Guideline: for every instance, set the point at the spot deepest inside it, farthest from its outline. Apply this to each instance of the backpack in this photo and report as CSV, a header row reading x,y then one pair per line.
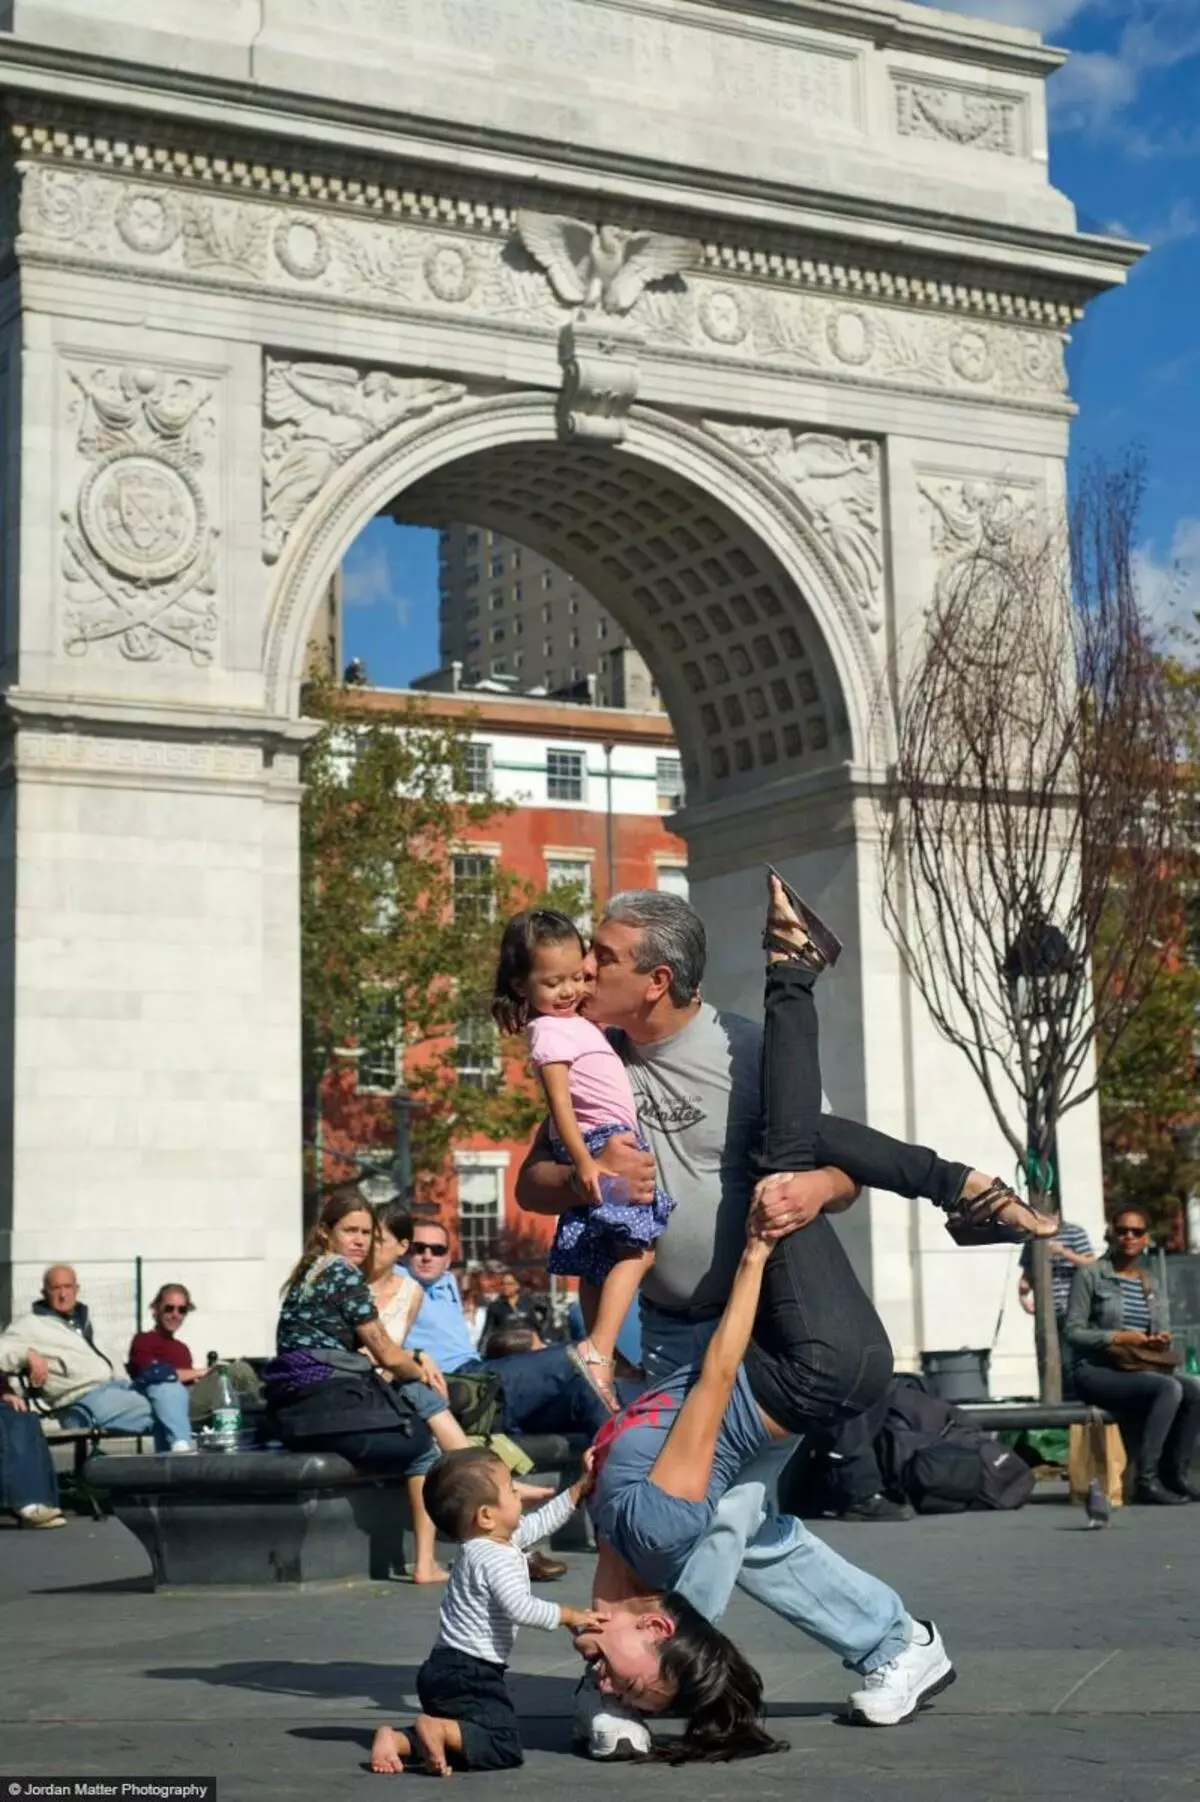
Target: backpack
x,y
930,1452
477,1402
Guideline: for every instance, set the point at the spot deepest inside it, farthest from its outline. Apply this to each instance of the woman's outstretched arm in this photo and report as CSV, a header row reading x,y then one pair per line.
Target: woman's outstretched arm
x,y
684,1465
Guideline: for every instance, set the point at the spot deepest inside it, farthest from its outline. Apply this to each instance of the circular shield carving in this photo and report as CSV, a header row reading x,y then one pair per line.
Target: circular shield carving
x,y
724,317
141,515
147,221
449,272
971,355
851,336
301,247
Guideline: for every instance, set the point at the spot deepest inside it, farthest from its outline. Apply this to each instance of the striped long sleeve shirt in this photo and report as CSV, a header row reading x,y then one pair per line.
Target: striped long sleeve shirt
x,y
488,1596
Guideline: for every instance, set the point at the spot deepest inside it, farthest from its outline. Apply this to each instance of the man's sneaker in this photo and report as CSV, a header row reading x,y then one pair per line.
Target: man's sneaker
x,y
606,1729
898,1689
878,1507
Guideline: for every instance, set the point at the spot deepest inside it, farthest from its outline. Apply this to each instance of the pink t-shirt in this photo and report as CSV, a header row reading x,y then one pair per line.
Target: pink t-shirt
x,y
601,1093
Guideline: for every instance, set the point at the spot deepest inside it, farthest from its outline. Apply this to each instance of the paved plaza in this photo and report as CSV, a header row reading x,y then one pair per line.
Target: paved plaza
x,y
1077,1658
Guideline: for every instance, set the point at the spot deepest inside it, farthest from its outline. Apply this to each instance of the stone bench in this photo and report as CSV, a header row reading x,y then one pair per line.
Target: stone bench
x,y
266,1518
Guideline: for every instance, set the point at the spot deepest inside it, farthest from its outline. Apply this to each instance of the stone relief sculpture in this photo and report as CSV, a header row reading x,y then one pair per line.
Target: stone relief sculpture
x,y
837,480
970,516
138,555
602,266
318,415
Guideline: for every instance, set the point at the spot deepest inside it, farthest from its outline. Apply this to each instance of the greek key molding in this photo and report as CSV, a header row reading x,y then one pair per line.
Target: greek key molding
x,y
970,118
83,751
372,192
138,558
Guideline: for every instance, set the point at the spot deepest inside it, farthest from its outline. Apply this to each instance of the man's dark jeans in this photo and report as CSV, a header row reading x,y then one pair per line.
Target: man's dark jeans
x,y
544,1392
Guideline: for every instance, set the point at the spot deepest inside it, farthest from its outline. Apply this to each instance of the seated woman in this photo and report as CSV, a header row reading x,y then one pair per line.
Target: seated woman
x,y
321,1389
1114,1322
798,1347
155,1353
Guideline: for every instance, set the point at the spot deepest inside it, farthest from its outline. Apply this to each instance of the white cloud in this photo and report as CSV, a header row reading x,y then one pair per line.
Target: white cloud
x,y
368,580
1097,87
1170,588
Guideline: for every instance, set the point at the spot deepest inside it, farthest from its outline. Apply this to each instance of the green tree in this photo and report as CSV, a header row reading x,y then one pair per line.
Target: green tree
x,y
399,917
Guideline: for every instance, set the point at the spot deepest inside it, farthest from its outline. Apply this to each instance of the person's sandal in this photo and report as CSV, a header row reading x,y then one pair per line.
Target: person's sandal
x,y
590,1364
976,1220
819,948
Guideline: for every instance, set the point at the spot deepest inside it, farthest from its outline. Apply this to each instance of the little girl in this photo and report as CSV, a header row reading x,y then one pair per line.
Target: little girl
x,y
539,986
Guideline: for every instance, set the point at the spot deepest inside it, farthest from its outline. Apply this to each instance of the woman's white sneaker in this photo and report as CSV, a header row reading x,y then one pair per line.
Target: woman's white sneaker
x,y
606,1729
897,1690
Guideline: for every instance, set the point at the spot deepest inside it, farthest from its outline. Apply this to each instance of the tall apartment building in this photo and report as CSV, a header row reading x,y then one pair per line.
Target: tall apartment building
x,y
506,612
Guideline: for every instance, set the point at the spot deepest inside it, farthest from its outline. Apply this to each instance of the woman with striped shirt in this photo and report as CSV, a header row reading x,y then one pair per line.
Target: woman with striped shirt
x,y
1113,1304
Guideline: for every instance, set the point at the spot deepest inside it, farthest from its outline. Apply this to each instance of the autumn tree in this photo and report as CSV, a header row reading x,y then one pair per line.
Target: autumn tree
x,y
398,941
1032,829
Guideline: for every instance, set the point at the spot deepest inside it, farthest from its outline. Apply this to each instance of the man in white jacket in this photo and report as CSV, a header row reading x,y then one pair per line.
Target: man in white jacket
x,y
54,1346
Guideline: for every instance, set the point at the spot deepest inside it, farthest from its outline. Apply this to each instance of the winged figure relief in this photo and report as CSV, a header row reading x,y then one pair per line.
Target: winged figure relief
x,y
602,266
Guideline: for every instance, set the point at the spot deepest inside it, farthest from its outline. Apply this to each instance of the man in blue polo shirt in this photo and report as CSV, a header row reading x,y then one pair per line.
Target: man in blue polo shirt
x,y
544,1391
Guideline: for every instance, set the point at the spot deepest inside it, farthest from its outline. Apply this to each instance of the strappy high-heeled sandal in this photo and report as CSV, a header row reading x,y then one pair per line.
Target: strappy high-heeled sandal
x,y
589,1363
823,947
976,1221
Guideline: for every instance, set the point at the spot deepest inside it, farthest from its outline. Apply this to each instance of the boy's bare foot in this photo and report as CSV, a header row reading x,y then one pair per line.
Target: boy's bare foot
x,y
388,1751
430,1573
431,1738
534,1492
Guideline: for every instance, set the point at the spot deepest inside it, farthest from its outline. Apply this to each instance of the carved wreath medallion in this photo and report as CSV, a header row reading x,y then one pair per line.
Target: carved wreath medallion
x,y
147,221
142,516
449,272
302,247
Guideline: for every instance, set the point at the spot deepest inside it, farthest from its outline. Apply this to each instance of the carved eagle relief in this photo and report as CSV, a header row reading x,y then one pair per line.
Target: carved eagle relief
x,y
602,266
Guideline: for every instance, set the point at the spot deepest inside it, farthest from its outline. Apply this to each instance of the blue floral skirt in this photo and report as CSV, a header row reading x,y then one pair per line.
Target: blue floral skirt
x,y
589,1241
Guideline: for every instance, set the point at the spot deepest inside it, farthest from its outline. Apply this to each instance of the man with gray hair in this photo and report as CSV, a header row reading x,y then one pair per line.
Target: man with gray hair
x,y
695,1075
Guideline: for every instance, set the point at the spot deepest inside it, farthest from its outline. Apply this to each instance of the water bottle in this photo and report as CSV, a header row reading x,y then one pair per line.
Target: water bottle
x,y
1192,1362
227,1413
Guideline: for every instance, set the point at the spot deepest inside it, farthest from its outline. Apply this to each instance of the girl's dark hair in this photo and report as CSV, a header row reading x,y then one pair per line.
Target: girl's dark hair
x,y
394,1218
347,1198
717,1691
523,936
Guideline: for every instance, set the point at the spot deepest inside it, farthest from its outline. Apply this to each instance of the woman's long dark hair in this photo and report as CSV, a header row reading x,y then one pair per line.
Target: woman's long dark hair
x,y
717,1691
523,936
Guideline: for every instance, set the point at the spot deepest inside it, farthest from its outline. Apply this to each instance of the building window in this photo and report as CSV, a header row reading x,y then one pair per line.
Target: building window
x,y
518,660
471,575
472,541
564,775
496,567
518,592
477,1053
547,578
474,640
547,647
576,673
516,559
601,628
574,638
499,666
480,1211
574,605
518,628
378,1039
471,672
496,600
474,896
498,633
479,769
673,879
575,873
668,781
547,614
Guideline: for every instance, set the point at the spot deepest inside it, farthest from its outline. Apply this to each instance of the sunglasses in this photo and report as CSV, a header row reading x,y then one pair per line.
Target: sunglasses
x,y
421,1248
1130,1232
173,1307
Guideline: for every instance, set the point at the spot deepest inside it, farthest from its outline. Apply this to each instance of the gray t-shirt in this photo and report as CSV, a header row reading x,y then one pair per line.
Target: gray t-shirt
x,y
699,1106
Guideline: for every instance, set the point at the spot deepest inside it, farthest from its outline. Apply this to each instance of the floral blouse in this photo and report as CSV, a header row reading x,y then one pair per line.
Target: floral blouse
x,y
322,1311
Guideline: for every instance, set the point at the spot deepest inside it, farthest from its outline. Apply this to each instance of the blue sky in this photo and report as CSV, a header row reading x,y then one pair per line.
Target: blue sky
x,y
1125,146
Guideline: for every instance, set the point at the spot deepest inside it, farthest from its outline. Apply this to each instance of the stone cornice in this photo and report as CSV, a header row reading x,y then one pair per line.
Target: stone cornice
x,y
907,27
897,271
97,716
307,148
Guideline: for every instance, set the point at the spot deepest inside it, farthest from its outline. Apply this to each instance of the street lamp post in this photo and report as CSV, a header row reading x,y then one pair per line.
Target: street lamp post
x,y
1040,968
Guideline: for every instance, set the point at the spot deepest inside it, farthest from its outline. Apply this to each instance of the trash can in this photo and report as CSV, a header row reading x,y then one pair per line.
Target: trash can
x,y
957,1376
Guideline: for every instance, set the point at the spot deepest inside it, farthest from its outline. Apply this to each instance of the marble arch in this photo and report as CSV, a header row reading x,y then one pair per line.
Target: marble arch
x,y
259,279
